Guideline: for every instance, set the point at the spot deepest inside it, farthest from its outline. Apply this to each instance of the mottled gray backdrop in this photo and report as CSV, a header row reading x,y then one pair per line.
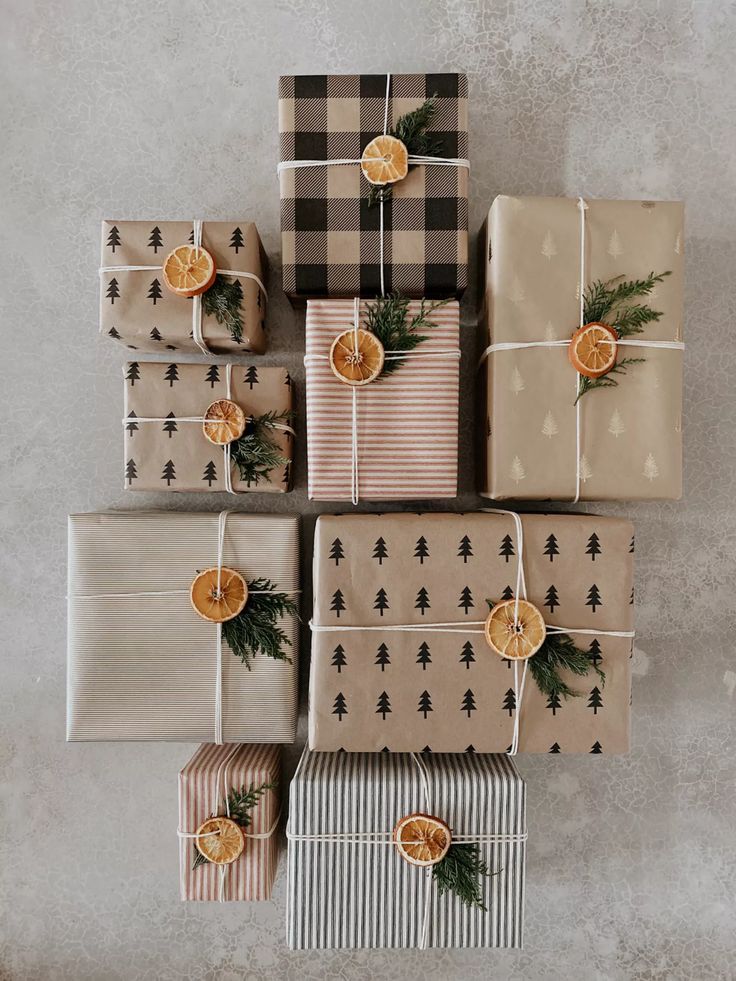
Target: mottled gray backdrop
x,y
156,109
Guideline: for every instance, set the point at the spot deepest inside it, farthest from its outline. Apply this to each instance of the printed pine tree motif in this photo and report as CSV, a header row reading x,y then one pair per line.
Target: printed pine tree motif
x,y
586,471
594,652
191,237
516,470
468,703
423,655
113,333
465,549
340,706
509,701
338,603
507,594
466,599
549,331
381,601
616,424
213,375
631,545
113,239
551,600
425,704
210,473
422,602
382,656
551,548
170,426
155,334
631,598
678,244
380,552
336,551
251,376
421,549
113,290
553,703
549,426
594,546
467,655
133,373
171,347
615,249
131,426
287,380
236,240
516,293
154,291
131,473
594,598
172,374
338,658
155,241
470,748
383,705
549,246
507,547
286,479
516,382
651,470
554,748
596,747
169,472
595,701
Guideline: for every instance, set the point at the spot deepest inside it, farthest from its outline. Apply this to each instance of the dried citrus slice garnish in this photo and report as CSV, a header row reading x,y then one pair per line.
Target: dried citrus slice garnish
x,y
357,357
220,840
515,634
224,422
385,160
218,603
592,350
189,270
422,839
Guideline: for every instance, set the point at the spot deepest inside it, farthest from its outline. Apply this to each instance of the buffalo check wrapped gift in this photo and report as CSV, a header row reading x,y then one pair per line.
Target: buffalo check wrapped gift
x,y
141,663
348,885
400,659
623,438
395,438
214,782
164,446
138,309
334,242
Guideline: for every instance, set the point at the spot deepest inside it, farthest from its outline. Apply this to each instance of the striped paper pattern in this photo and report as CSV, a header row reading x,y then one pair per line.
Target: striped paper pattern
x,y
343,894
143,667
407,421
251,876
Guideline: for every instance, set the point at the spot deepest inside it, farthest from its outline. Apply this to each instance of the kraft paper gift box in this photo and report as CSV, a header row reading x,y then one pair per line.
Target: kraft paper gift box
x,y
213,774
349,887
330,235
164,446
620,442
142,664
399,656
406,428
140,311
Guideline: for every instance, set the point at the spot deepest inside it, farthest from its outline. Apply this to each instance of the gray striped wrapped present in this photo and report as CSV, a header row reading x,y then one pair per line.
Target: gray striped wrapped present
x,y
349,887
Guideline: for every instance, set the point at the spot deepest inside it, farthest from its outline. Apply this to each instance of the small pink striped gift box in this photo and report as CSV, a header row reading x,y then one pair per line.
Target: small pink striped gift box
x,y
207,780
395,438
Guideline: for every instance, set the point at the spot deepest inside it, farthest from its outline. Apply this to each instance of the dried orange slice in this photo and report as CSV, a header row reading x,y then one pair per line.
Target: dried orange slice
x,y
422,839
224,422
218,604
592,350
516,639
357,357
385,160
221,841
189,270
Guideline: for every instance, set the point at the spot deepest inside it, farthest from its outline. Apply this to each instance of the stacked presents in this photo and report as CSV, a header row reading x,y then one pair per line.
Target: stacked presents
x,y
442,644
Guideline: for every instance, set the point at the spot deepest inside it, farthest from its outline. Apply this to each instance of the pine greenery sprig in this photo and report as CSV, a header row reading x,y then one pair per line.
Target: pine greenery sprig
x,y
222,301
386,317
461,872
255,454
240,802
254,630
411,129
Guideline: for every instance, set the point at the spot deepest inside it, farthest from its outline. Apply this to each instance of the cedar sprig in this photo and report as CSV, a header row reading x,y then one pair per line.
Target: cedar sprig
x,y
240,802
411,129
255,454
461,871
585,384
222,301
387,318
254,630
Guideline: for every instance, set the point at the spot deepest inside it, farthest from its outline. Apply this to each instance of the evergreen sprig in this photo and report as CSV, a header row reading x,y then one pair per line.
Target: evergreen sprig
x,y
585,384
387,318
254,630
411,129
461,872
240,802
222,301
255,454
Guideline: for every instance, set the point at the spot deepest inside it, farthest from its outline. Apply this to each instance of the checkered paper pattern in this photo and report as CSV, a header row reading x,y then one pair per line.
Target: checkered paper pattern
x,y
330,237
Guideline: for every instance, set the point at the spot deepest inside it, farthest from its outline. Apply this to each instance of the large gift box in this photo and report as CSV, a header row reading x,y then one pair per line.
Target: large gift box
x,y
138,309
400,659
240,783
622,438
348,884
334,239
143,664
395,438
164,444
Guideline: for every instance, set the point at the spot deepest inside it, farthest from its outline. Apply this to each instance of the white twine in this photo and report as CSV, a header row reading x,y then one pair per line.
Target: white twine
x,y
197,335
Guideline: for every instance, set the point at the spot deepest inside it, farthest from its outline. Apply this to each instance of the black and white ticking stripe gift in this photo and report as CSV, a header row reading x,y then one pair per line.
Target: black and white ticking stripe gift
x,y
349,887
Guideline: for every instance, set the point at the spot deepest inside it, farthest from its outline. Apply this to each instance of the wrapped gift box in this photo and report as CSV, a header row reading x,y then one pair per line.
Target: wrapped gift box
x,y
138,309
330,236
406,422
141,663
630,435
213,773
349,887
165,454
377,687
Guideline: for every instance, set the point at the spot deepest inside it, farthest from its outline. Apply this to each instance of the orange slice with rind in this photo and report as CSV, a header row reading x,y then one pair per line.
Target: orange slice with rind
x,y
224,422
218,602
189,270
515,634
357,357
592,350
385,160
422,839
220,840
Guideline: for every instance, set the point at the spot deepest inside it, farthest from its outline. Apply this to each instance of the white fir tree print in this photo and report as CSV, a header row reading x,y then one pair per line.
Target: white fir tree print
x,y
516,470
616,424
586,471
549,246
678,244
517,294
678,333
549,332
615,249
651,470
516,382
549,426
678,424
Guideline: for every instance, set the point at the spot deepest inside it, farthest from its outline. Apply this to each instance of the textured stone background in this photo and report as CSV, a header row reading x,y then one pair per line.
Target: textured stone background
x,y
150,108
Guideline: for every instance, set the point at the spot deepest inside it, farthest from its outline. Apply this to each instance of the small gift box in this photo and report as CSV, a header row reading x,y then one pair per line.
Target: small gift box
x,y
170,445
582,395
360,823
374,184
394,437
413,619
229,807
182,627
146,298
